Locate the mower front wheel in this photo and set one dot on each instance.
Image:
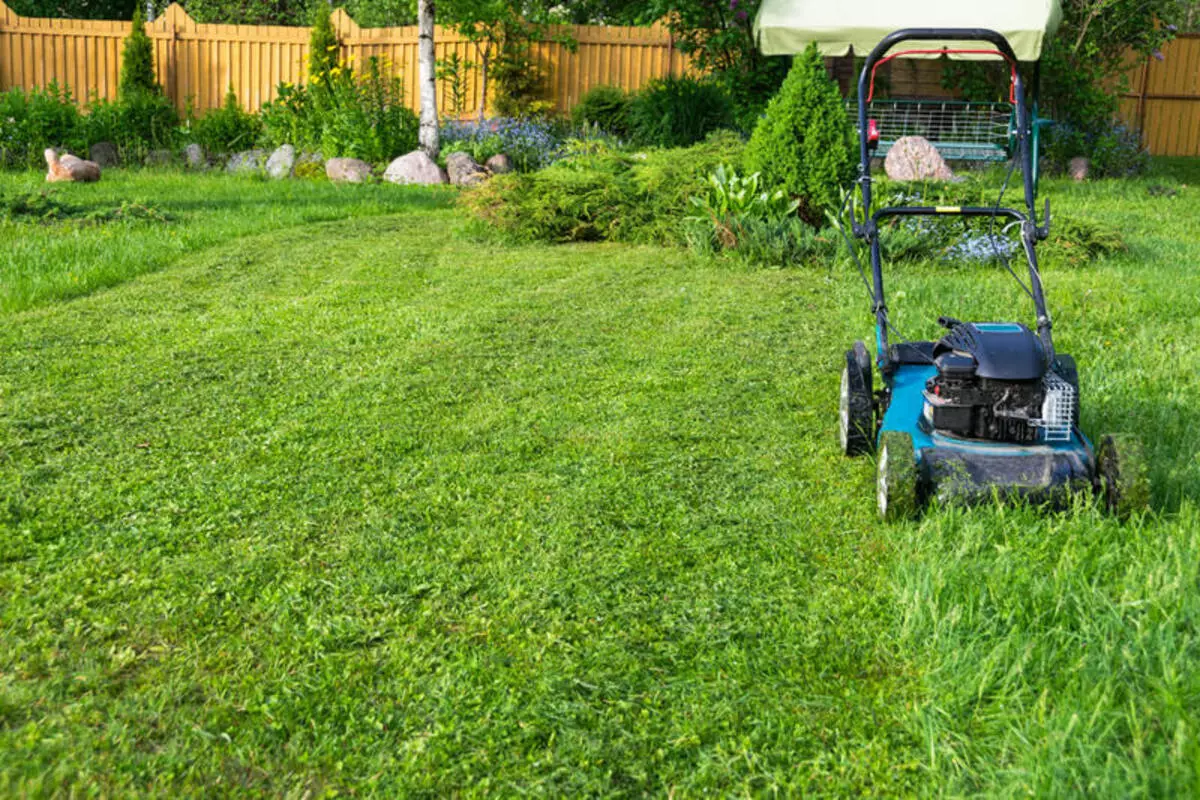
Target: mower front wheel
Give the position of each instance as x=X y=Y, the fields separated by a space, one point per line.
x=856 y=414
x=897 y=477
x=1121 y=477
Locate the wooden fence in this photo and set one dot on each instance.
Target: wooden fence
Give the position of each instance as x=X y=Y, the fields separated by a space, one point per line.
x=197 y=63
x=1163 y=100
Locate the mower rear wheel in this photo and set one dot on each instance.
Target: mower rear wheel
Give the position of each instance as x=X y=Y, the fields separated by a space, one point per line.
x=1121 y=476
x=856 y=418
x=897 y=477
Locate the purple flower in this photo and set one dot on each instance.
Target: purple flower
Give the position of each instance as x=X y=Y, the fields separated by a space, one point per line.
x=1158 y=55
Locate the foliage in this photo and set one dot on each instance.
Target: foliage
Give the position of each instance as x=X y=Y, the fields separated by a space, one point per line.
x=530 y=143
x=1077 y=241
x=519 y=79
x=603 y=194
x=455 y=72
x=323 y=47
x=31 y=122
x=137 y=62
x=1112 y=149
x=344 y=113
x=606 y=108
x=228 y=128
x=677 y=112
x=367 y=13
x=135 y=123
x=718 y=36
x=804 y=142
x=76 y=9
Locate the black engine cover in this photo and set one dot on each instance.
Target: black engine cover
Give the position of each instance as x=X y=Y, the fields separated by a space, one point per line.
x=989 y=383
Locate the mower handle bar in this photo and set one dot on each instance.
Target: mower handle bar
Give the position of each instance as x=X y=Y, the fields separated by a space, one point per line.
x=1030 y=231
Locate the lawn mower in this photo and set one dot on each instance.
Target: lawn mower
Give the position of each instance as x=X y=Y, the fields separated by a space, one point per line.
x=990 y=408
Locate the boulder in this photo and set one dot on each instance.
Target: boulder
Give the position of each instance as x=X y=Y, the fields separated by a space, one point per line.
x=464 y=170
x=914 y=158
x=193 y=156
x=1077 y=168
x=70 y=168
x=499 y=164
x=247 y=161
x=347 y=170
x=104 y=154
x=282 y=162
x=415 y=167
x=159 y=158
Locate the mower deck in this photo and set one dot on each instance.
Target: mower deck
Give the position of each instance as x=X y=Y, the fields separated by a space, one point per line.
x=969 y=472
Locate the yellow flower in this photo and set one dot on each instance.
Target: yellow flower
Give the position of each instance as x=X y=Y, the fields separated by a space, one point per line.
x=332 y=47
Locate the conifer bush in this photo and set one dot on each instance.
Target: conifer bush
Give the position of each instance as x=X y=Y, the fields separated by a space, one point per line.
x=804 y=142
x=137 y=61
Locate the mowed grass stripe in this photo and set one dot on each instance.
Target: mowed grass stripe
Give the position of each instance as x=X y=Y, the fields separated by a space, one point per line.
x=366 y=505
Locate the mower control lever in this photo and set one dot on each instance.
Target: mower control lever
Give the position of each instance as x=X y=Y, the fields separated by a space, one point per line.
x=949 y=323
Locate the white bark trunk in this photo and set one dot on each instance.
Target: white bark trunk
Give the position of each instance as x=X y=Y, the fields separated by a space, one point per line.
x=428 y=134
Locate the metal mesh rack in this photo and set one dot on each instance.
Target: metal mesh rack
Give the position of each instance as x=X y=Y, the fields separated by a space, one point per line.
x=959 y=129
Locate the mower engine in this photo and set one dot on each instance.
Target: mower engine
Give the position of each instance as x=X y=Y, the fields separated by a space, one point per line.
x=992 y=384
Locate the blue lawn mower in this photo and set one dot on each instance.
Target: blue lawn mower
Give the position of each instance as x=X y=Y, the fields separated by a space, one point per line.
x=989 y=409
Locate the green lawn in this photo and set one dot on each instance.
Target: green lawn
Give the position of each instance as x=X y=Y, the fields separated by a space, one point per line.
x=335 y=499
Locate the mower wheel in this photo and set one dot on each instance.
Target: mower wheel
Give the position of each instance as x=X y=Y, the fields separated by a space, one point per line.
x=1121 y=477
x=856 y=418
x=897 y=481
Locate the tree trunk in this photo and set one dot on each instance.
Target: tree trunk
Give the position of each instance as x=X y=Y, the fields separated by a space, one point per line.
x=428 y=135
x=483 y=81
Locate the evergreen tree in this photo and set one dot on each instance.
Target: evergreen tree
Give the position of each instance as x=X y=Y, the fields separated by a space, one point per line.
x=804 y=143
x=137 y=61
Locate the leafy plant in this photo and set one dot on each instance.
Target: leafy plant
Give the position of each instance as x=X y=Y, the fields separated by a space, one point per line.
x=530 y=143
x=1076 y=241
x=733 y=200
x=344 y=113
x=136 y=122
x=677 y=112
x=137 y=61
x=323 y=46
x=228 y=128
x=803 y=143
x=32 y=121
x=454 y=72
x=604 y=107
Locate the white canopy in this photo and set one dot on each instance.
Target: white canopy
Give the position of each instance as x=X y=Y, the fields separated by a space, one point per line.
x=783 y=27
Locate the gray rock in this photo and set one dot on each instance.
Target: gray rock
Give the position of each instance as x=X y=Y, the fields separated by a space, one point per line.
x=282 y=162
x=914 y=158
x=415 y=167
x=193 y=156
x=464 y=170
x=247 y=161
x=159 y=158
x=499 y=164
x=104 y=154
x=347 y=170
x=1077 y=168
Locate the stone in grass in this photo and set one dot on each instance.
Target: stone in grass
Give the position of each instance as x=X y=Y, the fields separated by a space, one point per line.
x=914 y=158
x=347 y=170
x=282 y=162
x=1078 y=167
x=499 y=164
x=415 y=167
x=193 y=156
x=464 y=170
x=247 y=161
x=104 y=154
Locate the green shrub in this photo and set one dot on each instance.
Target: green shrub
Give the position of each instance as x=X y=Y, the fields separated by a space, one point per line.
x=603 y=194
x=343 y=113
x=1076 y=241
x=605 y=107
x=518 y=80
x=228 y=128
x=136 y=123
x=31 y=122
x=803 y=143
x=728 y=204
x=137 y=61
x=677 y=112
